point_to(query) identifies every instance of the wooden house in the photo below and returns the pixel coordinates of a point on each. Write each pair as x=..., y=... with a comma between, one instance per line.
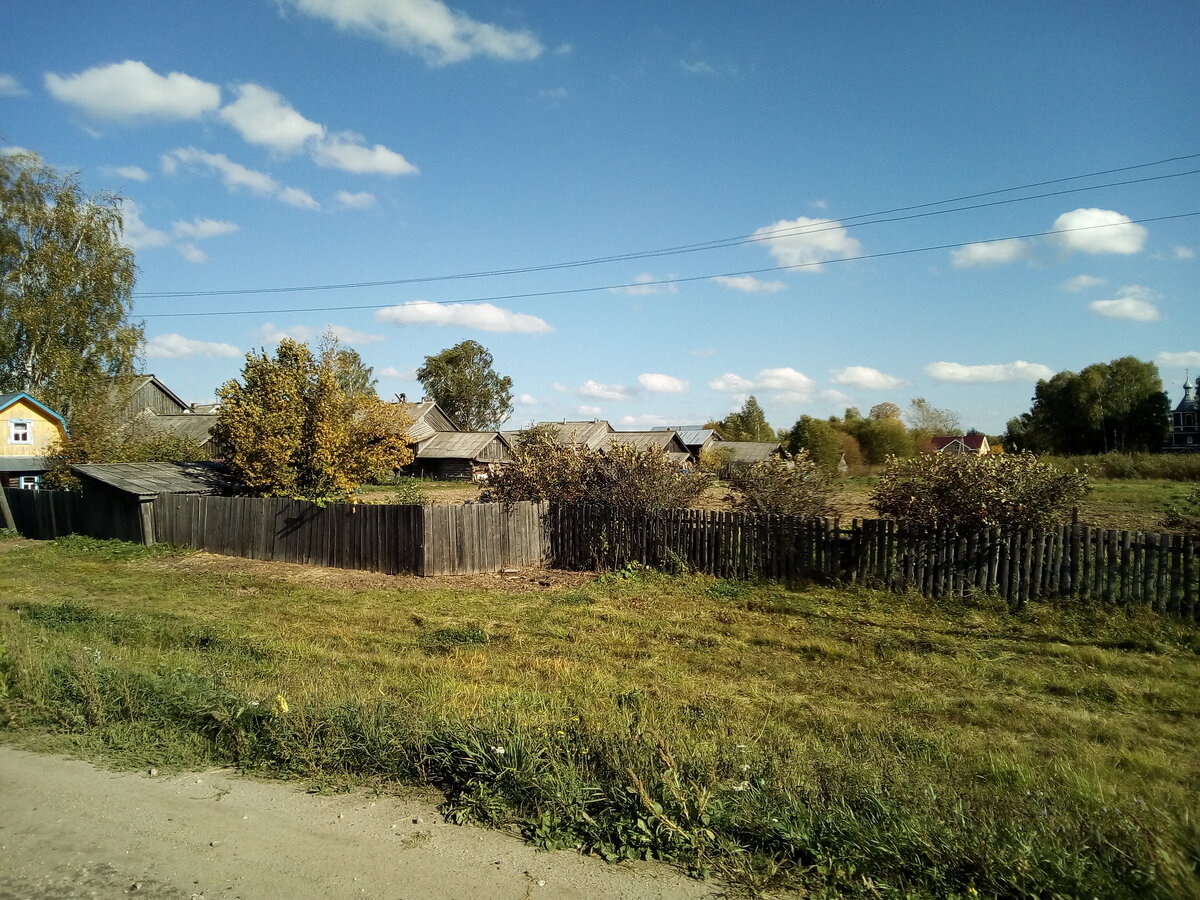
x=30, y=431
x=743, y=454
x=666, y=441
x=696, y=438
x=590, y=434
x=135, y=395
x=963, y=444
x=459, y=454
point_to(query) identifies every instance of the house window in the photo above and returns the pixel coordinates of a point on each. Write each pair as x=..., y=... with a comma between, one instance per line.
x=30, y=482
x=19, y=432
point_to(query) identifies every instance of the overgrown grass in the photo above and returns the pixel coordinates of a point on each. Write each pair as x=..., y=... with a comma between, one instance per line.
x=849, y=743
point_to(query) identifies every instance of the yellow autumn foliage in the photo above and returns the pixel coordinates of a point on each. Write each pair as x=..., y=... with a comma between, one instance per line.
x=289, y=429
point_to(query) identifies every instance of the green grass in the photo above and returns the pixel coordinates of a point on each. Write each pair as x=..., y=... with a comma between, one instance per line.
x=849, y=743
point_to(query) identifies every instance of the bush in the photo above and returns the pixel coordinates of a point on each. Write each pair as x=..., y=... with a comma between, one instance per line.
x=784, y=486
x=966, y=491
x=623, y=476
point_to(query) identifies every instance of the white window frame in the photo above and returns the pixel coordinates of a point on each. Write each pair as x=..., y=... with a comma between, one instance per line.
x=30, y=482
x=20, y=431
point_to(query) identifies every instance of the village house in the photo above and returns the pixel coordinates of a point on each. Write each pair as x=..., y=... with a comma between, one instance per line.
x=962, y=444
x=30, y=431
x=442, y=450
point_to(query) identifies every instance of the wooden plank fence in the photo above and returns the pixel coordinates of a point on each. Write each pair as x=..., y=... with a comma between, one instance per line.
x=1159, y=571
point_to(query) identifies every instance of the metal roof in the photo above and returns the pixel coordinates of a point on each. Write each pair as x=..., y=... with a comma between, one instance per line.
x=145, y=480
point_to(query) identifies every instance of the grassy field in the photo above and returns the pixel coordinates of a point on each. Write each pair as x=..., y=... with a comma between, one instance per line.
x=847, y=743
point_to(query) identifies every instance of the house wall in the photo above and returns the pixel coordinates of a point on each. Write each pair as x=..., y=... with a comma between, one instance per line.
x=150, y=396
x=44, y=430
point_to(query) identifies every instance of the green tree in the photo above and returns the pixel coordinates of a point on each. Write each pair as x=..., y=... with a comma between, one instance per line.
x=463, y=383
x=883, y=411
x=747, y=424
x=289, y=428
x=1117, y=406
x=66, y=286
x=966, y=491
x=924, y=417
x=882, y=438
x=353, y=375
x=819, y=438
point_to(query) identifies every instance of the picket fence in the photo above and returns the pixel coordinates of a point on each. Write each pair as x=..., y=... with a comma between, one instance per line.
x=1158, y=571
x=1094, y=565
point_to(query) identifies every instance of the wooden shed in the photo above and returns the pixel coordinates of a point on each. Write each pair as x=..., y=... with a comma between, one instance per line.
x=127, y=491
x=459, y=454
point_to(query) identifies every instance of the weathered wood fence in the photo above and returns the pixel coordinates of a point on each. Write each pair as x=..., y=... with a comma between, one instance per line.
x=1159, y=571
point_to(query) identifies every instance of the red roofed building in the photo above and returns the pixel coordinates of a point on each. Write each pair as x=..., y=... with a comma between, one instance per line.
x=962, y=443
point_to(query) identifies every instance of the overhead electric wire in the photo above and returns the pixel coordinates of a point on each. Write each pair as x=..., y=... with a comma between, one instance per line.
x=827, y=225
x=669, y=281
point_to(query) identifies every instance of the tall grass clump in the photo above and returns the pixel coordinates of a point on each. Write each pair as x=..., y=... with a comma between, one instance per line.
x=1126, y=466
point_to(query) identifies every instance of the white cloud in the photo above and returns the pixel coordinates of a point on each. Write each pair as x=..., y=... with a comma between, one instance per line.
x=130, y=90
x=235, y=175
x=176, y=346
x=192, y=253
x=136, y=233
x=646, y=420
x=427, y=28
x=1100, y=231
x=360, y=200
x=748, y=284
x=731, y=383
x=662, y=384
x=644, y=285
x=1081, y=283
x=988, y=373
x=10, y=87
x=808, y=242
x=483, y=316
x=346, y=151
x=199, y=229
x=133, y=173
x=990, y=253
x=393, y=372
x=527, y=400
x=784, y=380
x=587, y=410
x=1133, y=302
x=594, y=390
x=1185, y=359
x=269, y=334
x=1181, y=252
x=263, y=117
x=865, y=377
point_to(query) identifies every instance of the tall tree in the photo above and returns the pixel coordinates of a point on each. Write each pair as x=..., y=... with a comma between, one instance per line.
x=66, y=286
x=925, y=417
x=289, y=429
x=822, y=441
x=1117, y=406
x=747, y=424
x=353, y=375
x=463, y=383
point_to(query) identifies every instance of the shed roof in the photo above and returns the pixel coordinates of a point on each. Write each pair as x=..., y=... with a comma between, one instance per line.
x=145, y=480
x=662, y=440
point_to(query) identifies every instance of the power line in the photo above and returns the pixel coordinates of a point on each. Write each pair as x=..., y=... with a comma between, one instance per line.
x=845, y=222
x=669, y=281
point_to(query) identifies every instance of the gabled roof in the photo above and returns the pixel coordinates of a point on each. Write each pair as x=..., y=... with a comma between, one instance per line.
x=458, y=444
x=667, y=441
x=7, y=400
x=122, y=390
x=974, y=442
x=589, y=433
x=195, y=426
x=145, y=480
x=428, y=419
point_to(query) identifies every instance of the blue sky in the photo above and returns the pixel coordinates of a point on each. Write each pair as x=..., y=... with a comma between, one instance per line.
x=266, y=144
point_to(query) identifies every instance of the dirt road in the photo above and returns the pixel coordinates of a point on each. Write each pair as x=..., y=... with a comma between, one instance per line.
x=68, y=830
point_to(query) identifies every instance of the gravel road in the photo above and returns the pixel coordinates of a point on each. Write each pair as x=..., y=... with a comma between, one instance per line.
x=70, y=830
